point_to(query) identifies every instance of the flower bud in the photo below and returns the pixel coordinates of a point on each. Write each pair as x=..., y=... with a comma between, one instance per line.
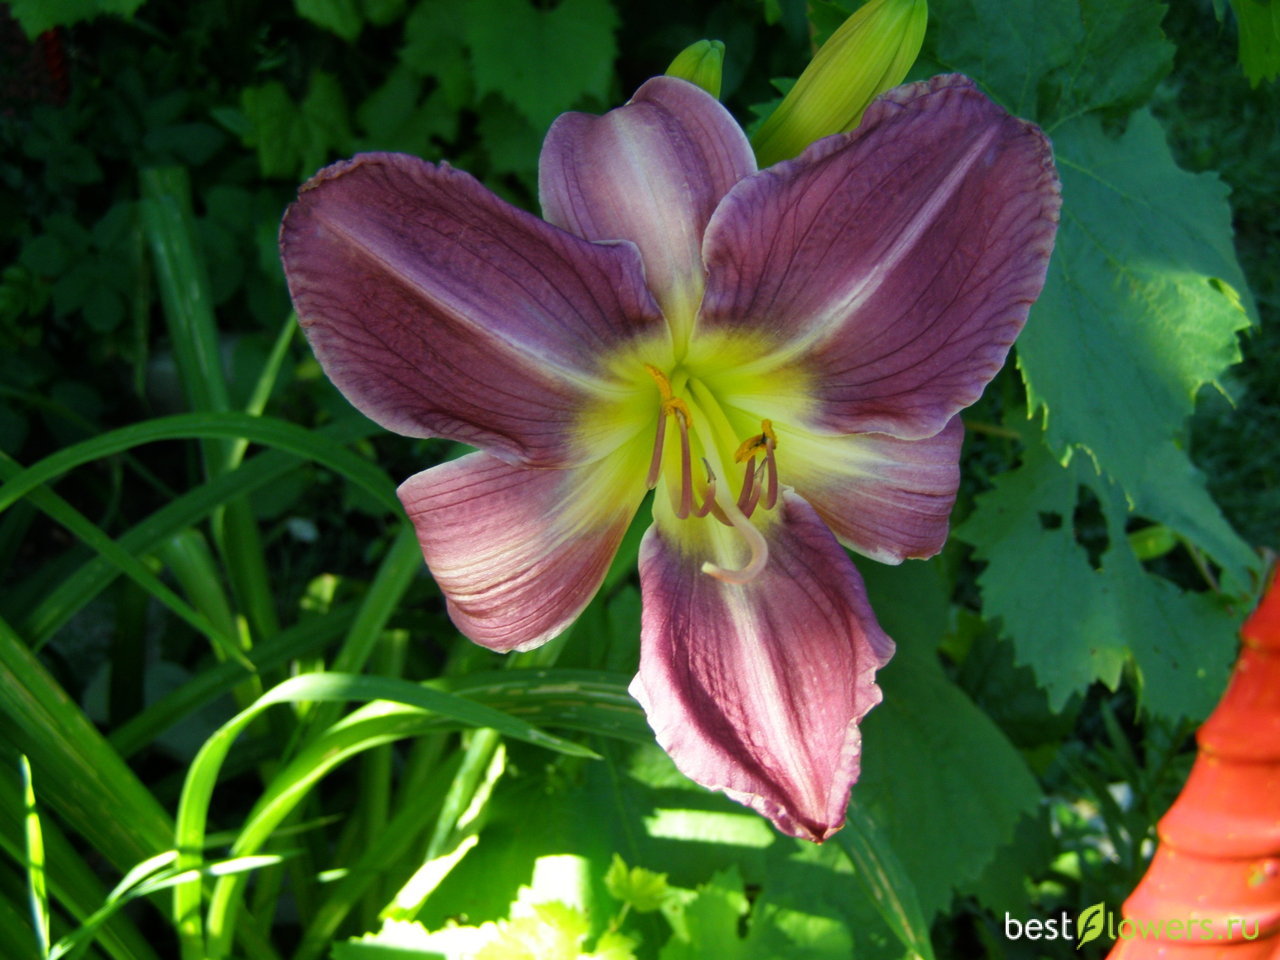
x=700, y=63
x=870, y=53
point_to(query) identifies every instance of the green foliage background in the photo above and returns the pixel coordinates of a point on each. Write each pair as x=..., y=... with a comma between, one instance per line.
x=219, y=649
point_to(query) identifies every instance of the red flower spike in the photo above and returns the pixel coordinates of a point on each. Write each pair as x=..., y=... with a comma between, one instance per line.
x=1217, y=869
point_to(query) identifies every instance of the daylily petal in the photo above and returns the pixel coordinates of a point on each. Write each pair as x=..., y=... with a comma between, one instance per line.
x=651, y=172
x=889, y=499
x=895, y=263
x=518, y=551
x=440, y=310
x=756, y=689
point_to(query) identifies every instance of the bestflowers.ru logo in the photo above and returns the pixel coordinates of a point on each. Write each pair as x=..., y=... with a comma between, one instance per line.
x=1097, y=921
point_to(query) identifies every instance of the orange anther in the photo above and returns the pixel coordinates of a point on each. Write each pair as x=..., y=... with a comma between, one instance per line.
x=764, y=440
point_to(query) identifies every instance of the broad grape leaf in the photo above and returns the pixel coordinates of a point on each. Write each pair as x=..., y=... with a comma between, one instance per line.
x=1140, y=309
x=927, y=741
x=397, y=116
x=1073, y=623
x=542, y=61
x=708, y=919
x=382, y=12
x=1259, y=25
x=434, y=47
x=337, y=16
x=1054, y=59
x=1172, y=491
x=295, y=140
x=37, y=16
x=1055, y=607
x=1120, y=57
x=644, y=890
x=1007, y=47
x=1183, y=643
x=708, y=922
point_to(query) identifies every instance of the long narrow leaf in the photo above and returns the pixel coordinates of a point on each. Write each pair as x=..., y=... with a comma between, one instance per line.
x=72, y=945
x=298, y=641
x=885, y=880
x=72, y=884
x=184, y=289
x=278, y=434
x=85, y=781
x=15, y=932
x=368, y=728
x=382, y=854
x=590, y=700
x=80, y=525
x=75, y=591
x=170, y=226
x=401, y=564
x=193, y=808
x=35, y=862
x=266, y=381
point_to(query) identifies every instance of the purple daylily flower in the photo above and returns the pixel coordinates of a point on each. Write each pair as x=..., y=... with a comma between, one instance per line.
x=782, y=353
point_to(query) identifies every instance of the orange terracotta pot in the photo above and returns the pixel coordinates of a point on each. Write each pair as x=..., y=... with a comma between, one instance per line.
x=1216, y=871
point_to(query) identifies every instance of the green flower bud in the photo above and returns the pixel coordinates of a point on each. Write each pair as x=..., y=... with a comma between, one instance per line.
x=700, y=63
x=870, y=53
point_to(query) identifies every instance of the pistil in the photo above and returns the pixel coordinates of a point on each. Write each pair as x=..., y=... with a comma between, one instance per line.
x=756, y=544
x=752, y=488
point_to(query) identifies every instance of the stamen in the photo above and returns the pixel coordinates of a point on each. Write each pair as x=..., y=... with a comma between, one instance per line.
x=709, y=494
x=771, y=463
x=755, y=543
x=671, y=405
x=655, y=462
x=749, y=495
x=751, y=489
x=686, y=466
x=748, y=447
x=751, y=486
x=660, y=378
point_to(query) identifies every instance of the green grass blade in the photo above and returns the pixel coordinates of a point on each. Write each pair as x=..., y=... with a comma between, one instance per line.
x=92, y=536
x=590, y=700
x=266, y=382
x=197, y=792
x=368, y=728
x=72, y=884
x=278, y=434
x=189, y=559
x=386, y=849
x=169, y=223
x=85, y=782
x=74, y=592
x=886, y=882
x=170, y=227
x=482, y=747
x=240, y=545
x=403, y=561
x=15, y=932
x=296, y=642
x=35, y=862
x=72, y=945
